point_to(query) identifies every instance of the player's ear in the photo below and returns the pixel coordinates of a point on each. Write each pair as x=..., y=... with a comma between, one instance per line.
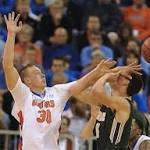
x=27, y=80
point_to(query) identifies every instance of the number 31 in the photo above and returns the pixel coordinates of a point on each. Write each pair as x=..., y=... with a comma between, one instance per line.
x=45, y=115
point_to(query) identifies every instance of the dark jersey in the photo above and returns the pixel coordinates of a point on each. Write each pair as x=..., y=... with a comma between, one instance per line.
x=110, y=134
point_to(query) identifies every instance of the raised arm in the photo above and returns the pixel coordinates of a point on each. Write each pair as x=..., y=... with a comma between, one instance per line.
x=98, y=91
x=87, y=131
x=10, y=71
x=115, y=102
x=90, y=78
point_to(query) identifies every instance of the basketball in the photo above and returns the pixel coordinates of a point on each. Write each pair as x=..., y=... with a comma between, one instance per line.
x=145, y=49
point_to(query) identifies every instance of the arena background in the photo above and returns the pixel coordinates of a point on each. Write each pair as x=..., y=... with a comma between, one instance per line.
x=68, y=38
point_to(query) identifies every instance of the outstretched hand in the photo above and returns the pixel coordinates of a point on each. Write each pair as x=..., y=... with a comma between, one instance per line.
x=104, y=66
x=12, y=23
x=128, y=70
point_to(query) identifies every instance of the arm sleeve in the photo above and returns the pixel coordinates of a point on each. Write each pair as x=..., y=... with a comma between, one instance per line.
x=64, y=90
x=20, y=93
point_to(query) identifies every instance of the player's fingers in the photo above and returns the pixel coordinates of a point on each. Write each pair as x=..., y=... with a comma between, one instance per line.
x=136, y=72
x=9, y=16
x=17, y=18
x=20, y=24
x=5, y=17
x=13, y=15
x=132, y=64
x=110, y=62
x=136, y=67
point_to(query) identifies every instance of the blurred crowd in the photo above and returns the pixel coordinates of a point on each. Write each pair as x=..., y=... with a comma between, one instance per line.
x=67, y=39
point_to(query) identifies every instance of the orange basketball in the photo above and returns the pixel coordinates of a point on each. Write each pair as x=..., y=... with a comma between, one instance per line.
x=145, y=49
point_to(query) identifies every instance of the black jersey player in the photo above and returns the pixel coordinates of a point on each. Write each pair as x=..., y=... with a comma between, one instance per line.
x=112, y=121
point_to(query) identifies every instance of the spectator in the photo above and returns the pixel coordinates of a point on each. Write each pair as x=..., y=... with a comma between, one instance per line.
x=93, y=23
x=4, y=118
x=1, y=47
x=114, y=43
x=59, y=78
x=2, y=29
x=97, y=56
x=134, y=45
x=25, y=43
x=108, y=12
x=95, y=40
x=23, y=8
x=7, y=107
x=125, y=3
x=66, y=138
x=74, y=13
x=138, y=16
x=7, y=6
x=77, y=115
x=30, y=55
x=52, y=19
x=3, y=87
x=64, y=127
x=37, y=7
x=4, y=123
x=60, y=48
x=141, y=98
x=125, y=33
x=58, y=67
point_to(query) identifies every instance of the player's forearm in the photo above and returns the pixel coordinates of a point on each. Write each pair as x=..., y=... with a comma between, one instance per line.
x=87, y=131
x=99, y=85
x=98, y=90
x=84, y=82
x=8, y=56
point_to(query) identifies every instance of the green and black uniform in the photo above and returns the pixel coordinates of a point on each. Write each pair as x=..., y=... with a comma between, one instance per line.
x=112, y=135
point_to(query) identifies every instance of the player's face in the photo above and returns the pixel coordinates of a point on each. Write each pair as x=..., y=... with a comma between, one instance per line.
x=36, y=77
x=123, y=80
x=120, y=81
x=135, y=130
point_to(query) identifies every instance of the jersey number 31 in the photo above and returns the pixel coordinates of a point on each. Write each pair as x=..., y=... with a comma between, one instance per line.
x=44, y=115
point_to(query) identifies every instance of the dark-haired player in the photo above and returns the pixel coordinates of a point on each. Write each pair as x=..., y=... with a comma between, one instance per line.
x=112, y=122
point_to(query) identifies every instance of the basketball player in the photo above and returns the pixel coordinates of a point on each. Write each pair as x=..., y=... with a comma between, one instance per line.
x=113, y=122
x=138, y=140
x=38, y=108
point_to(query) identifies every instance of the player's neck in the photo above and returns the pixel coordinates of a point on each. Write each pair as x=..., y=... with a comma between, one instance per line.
x=38, y=91
x=120, y=92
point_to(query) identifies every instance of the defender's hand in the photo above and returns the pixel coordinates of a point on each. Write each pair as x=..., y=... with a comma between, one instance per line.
x=105, y=65
x=11, y=23
x=127, y=70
